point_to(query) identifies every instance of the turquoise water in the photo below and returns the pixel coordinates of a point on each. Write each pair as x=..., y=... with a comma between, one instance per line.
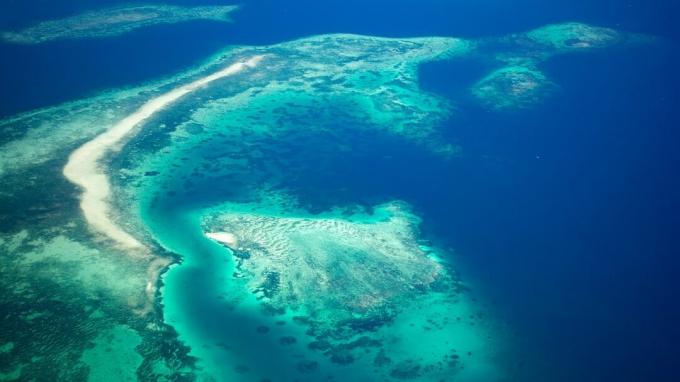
x=207, y=305
x=338, y=206
x=226, y=327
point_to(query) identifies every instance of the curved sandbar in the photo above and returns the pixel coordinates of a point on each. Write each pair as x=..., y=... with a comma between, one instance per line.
x=83, y=167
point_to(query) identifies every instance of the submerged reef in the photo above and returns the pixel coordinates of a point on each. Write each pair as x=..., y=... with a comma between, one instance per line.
x=335, y=268
x=114, y=21
x=368, y=293
x=512, y=87
x=575, y=36
x=518, y=83
x=335, y=285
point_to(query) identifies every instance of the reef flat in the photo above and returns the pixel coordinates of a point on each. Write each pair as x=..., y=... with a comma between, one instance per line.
x=519, y=83
x=333, y=268
x=114, y=21
x=352, y=279
x=248, y=158
x=512, y=87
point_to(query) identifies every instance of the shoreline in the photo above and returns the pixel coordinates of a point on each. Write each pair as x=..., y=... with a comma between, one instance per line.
x=83, y=168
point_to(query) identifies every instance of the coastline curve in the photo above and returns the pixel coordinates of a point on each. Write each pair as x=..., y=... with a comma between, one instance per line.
x=84, y=167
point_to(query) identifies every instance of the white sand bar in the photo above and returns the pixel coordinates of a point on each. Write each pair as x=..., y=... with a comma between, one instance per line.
x=229, y=239
x=83, y=167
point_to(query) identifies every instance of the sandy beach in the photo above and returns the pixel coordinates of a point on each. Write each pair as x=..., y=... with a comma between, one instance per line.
x=85, y=170
x=226, y=238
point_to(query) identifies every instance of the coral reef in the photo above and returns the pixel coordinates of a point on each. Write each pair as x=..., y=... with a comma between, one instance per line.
x=512, y=87
x=114, y=21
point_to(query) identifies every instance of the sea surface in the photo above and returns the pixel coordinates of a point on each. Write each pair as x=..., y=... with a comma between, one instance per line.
x=562, y=216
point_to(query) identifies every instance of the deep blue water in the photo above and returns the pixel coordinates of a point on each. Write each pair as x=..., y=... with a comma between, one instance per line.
x=566, y=215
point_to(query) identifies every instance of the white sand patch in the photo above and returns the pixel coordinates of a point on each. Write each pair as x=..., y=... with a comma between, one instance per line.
x=83, y=167
x=226, y=238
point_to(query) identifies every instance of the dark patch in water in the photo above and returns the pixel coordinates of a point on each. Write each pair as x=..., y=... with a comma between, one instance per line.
x=307, y=366
x=287, y=340
x=406, y=370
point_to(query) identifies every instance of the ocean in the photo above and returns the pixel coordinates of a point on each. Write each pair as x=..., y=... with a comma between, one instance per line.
x=562, y=216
